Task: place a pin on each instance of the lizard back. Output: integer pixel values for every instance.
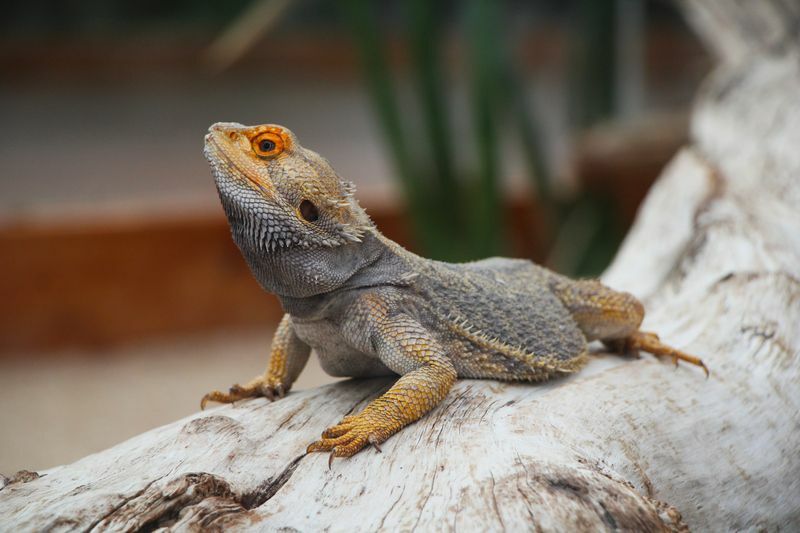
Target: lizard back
(503, 308)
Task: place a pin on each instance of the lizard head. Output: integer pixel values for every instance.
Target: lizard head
(297, 223)
(281, 194)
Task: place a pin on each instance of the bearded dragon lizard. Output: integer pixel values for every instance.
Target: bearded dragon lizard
(368, 307)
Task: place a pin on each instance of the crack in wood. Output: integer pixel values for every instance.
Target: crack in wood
(391, 508)
(121, 504)
(270, 487)
(194, 499)
(495, 506)
(427, 497)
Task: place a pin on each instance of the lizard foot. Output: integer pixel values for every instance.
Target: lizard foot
(260, 386)
(649, 342)
(353, 434)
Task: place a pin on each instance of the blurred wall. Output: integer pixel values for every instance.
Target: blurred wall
(110, 228)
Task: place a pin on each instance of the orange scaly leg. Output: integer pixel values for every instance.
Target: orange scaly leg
(407, 348)
(649, 342)
(287, 358)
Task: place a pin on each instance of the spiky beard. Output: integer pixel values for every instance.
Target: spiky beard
(266, 226)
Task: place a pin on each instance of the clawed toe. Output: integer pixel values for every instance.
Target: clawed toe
(257, 387)
(273, 392)
(336, 431)
(650, 342)
(210, 397)
(375, 442)
(345, 439)
(221, 397)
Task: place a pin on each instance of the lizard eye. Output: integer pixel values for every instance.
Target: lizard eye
(309, 211)
(267, 145)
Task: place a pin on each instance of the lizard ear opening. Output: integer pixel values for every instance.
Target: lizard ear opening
(309, 211)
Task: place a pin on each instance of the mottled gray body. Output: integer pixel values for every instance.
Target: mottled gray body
(495, 318)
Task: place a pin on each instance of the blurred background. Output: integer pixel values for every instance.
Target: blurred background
(471, 128)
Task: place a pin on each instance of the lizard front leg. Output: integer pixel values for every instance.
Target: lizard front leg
(407, 348)
(287, 358)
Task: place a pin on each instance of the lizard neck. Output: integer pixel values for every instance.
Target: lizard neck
(297, 273)
(384, 264)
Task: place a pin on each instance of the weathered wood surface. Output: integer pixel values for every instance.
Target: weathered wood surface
(715, 254)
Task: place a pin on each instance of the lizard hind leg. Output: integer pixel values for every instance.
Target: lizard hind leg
(649, 342)
(600, 312)
(613, 317)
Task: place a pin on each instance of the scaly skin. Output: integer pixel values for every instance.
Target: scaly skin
(287, 359)
(368, 307)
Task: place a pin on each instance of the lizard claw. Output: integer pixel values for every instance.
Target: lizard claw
(333, 454)
(650, 342)
(216, 396)
(204, 401)
(374, 441)
(268, 393)
(351, 436)
(267, 387)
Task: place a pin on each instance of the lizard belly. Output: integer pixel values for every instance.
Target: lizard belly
(336, 356)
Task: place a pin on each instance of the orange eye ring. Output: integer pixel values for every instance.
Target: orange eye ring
(267, 145)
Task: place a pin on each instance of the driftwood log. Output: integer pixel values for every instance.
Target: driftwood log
(715, 254)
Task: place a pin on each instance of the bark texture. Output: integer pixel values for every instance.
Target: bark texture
(715, 255)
